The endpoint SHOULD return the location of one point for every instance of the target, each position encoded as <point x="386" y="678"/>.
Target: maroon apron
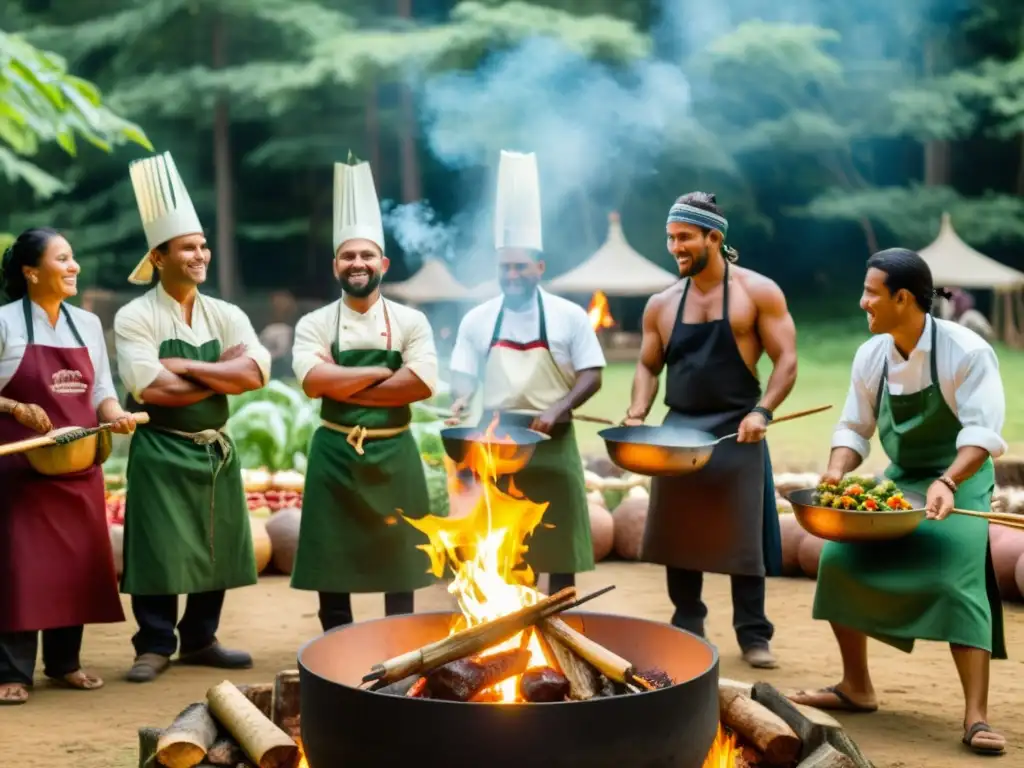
<point x="56" y="563"/>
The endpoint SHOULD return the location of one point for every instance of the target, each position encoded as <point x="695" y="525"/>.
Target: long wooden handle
<point x="45" y="441"/>
<point x="593" y="419"/>
<point x="787" y="417"/>
<point x="1002" y="518"/>
<point x="799" y="414"/>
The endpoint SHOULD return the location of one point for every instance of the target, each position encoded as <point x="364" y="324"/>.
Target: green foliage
<point x="40" y="103"/>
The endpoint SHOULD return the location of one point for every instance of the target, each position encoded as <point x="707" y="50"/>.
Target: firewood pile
<point x="245" y="726"/>
<point x="773" y="732"/>
<point x="257" y="726"/>
<point x="471" y="665"/>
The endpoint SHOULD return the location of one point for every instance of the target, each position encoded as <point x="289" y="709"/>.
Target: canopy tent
<point x="432" y="283"/>
<point x="955" y="264"/>
<point x="615" y="269"/>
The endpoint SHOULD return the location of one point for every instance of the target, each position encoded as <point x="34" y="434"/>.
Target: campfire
<point x="599" y="312"/>
<point x="512" y="679"/>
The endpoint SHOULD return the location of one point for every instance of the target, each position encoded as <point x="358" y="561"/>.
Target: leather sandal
<point x="981" y="727"/>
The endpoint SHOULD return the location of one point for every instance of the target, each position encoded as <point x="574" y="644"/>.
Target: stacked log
<point x="254" y="726"/>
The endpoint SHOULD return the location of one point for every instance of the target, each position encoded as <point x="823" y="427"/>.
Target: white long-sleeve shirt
<point x="968" y="378"/>
<point x="411" y="335"/>
<point x="143" y="324"/>
<point x="14" y="339"/>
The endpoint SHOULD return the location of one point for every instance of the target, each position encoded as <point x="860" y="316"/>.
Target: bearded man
<point x="368" y="359"/>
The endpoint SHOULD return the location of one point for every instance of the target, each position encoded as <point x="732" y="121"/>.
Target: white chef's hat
<point x="164" y="205"/>
<point x="356" y="208"/>
<point x="517" y="218"/>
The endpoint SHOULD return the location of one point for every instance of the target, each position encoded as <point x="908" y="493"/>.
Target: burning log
<point x="400" y="688"/>
<point x="463" y="679"/>
<point x="265" y="743"/>
<point x="418" y="689"/>
<point x="543" y="684"/>
<point x="582" y="678"/>
<point x="759" y="726"/>
<point x="605" y="661"/>
<point x="470" y="642"/>
<point x="187" y="741"/>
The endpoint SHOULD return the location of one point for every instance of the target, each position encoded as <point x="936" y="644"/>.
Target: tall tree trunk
<point x="227" y="261"/>
<point x="372" y="117"/>
<point x="412" y="184"/>
<point x="936" y="152"/>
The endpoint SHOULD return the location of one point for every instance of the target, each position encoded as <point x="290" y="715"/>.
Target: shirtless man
<point x="711" y="329"/>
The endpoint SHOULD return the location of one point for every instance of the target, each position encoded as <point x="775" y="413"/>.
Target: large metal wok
<point x="657" y="451"/>
<point x="509" y="451"/>
<point x="852" y="525"/>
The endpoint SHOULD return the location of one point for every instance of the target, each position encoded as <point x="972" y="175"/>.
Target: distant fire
<point x="599" y="313"/>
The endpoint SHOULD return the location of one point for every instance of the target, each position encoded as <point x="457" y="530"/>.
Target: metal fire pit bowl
<point x="669" y="728"/>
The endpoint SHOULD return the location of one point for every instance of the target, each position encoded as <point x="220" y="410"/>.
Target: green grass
<point x="826" y="353"/>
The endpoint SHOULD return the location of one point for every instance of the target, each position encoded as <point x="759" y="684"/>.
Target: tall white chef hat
<point x="356" y="208"/>
<point x="517" y="217"/>
<point x="164" y="205"/>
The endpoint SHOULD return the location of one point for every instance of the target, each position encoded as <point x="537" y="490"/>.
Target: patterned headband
<point x="688" y="214"/>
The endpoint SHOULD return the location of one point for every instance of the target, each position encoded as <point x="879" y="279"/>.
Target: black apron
<point x="722" y="518"/>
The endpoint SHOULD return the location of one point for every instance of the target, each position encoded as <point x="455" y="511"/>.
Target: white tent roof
<point x="615" y="268"/>
<point x="433" y="282"/>
<point x="955" y="264"/>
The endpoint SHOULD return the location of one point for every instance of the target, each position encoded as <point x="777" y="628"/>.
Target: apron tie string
<point x="204" y="437"/>
<point x="355" y="436"/>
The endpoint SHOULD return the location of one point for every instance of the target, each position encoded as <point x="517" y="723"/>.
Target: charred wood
<point x="543" y="684"/>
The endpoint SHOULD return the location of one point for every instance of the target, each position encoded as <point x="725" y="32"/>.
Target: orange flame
<point x="484" y="549"/>
<point x="599" y="313"/>
<point x="723" y="753"/>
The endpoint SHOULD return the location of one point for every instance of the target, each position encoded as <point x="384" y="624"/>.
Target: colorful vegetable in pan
<point x="862" y="494"/>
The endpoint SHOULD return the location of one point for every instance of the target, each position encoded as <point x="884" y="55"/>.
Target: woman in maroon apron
<point x="56" y="563"/>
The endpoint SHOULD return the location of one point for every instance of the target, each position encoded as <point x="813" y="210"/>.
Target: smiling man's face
<point x="359" y="266"/>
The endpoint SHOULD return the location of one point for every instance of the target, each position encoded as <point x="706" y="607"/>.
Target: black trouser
<point x="157" y="617"/>
<point x="753" y="630"/>
<point x="560" y="581"/>
<point x="18" y="654"/>
<point x="336" y="607"/>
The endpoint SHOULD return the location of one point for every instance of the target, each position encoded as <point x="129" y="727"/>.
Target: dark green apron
<point x="938" y="582"/>
<point x="186" y="522"/>
<point x="352" y="538"/>
<point x="562" y="542"/>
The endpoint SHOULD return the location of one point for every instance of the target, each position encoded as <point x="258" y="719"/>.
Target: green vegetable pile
<point x="273" y="427"/>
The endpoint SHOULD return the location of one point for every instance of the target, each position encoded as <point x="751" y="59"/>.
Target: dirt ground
<point x="919" y="724"/>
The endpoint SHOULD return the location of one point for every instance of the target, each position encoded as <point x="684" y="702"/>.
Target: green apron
<point x="562" y="542"/>
<point x="186" y="521"/>
<point x="351" y="537"/>
<point x="937" y="583"/>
